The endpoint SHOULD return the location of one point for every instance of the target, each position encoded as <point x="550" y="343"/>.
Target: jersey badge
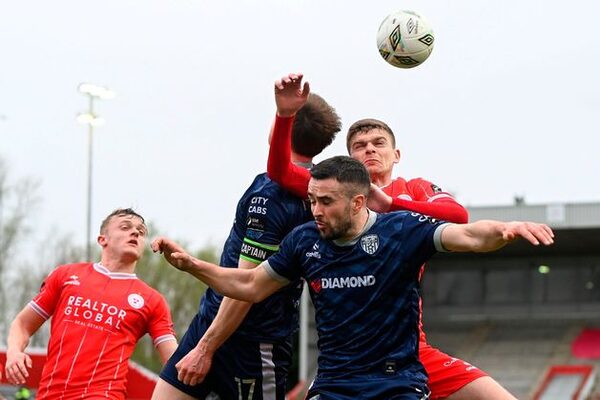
<point x="436" y="188"/>
<point x="370" y="243"/>
<point x="135" y="300"/>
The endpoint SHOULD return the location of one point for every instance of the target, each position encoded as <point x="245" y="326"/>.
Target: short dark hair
<point x="366" y="125"/>
<point x="345" y="170"/>
<point x="119" y="212"/>
<point x="315" y="126"/>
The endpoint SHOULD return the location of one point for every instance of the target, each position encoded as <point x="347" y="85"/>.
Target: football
<point x="405" y="39"/>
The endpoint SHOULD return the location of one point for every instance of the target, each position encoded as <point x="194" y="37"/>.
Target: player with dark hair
<point x="363" y="273"/>
<point x="99" y="311"/>
<point x="232" y="348"/>
<point x="372" y="142"/>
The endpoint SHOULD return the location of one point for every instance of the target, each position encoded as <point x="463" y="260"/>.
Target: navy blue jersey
<point x="265" y="214"/>
<point x="365" y="292"/>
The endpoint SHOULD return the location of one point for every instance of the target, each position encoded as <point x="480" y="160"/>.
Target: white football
<point x="405" y="39"/>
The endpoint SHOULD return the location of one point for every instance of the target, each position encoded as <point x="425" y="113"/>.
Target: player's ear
<point x="358" y="202"/>
<point x="396" y="156"/>
<point x="101" y="240"/>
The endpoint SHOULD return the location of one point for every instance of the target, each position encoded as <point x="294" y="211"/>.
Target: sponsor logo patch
<point x="316" y="285"/>
<point x="254" y="222"/>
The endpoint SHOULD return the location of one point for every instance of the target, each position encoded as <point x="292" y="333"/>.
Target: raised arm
<point x="290" y="96"/>
<point x="280" y="168"/>
<point x="252" y="285"/>
<point x="486" y="235"/>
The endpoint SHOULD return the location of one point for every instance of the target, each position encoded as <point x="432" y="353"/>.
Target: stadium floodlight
<point x="96" y="91"/>
<point x="544" y="269"/>
<point x="92" y="120"/>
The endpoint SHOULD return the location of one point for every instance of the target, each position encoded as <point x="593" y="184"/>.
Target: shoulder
<point x="148" y="293"/>
<point x="304" y="233"/>
<point x="65" y="269"/>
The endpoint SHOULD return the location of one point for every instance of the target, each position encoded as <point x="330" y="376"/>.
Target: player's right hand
<point x="290" y="94"/>
<point x="16" y="367"/>
<point x="173" y="253"/>
<point x="193" y="368"/>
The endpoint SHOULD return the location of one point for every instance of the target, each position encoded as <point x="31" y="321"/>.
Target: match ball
<point x="405" y="39"/>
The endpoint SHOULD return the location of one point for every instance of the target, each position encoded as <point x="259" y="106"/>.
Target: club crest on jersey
<point x="135" y="300"/>
<point x="370" y="243"/>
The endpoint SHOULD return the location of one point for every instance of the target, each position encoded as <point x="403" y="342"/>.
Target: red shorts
<point x="446" y="374"/>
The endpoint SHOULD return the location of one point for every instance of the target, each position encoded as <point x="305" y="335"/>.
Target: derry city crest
<point x="370" y="243"/>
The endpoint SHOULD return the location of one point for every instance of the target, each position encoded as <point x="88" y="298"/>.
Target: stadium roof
<point x="576" y="226"/>
<point x="557" y="215"/>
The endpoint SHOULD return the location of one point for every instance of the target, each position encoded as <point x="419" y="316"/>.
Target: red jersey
<point x="417" y="189"/>
<point x="97" y="318"/>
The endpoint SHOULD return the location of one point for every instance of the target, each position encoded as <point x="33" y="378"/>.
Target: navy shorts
<point x="368" y="387"/>
<point x="241" y="369"/>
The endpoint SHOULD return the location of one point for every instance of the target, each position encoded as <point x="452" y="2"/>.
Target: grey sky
<point x="506" y="105"/>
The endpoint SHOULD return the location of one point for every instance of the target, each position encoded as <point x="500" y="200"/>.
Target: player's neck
<point x="358" y="225"/>
<point x="381" y="180"/>
<point x="116" y="264"/>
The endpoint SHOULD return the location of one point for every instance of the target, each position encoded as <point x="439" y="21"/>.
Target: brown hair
<point x="119" y="212"/>
<point x="315" y="126"/>
<point x="366" y="125"/>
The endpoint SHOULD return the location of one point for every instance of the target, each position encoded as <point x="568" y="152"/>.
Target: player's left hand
<point x="533" y="232"/>
<point x="378" y="200"/>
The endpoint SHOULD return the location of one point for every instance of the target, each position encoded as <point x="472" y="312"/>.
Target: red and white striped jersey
<point x="97" y="317"/>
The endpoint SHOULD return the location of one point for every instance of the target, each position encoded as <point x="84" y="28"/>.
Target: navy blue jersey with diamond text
<point x="365" y="293"/>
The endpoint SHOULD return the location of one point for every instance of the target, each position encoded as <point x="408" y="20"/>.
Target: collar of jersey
<point x="370" y="221"/>
<point x="307" y="165"/>
<point x="113" y="275"/>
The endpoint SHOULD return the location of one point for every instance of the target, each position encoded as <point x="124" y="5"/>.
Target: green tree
<point x="17" y="200"/>
<point x="181" y="290"/>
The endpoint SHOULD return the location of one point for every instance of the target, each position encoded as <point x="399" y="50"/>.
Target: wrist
<point x="285" y="113"/>
<point x="207" y="345"/>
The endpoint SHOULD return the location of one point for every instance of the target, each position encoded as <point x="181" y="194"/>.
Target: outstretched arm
<point x="26" y="323"/>
<point x="290" y="96"/>
<point x="446" y="209"/>
<point x="485" y="235"/>
<point x="252" y="285"/>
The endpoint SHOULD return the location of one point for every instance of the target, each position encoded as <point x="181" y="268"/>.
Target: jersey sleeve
<point x="422" y="236"/>
<point x="44" y="303"/>
<point x="280" y="168"/>
<point x="284" y="266"/>
<point x="266" y="225"/>
<point x="160" y="324"/>
<point x="430" y="199"/>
